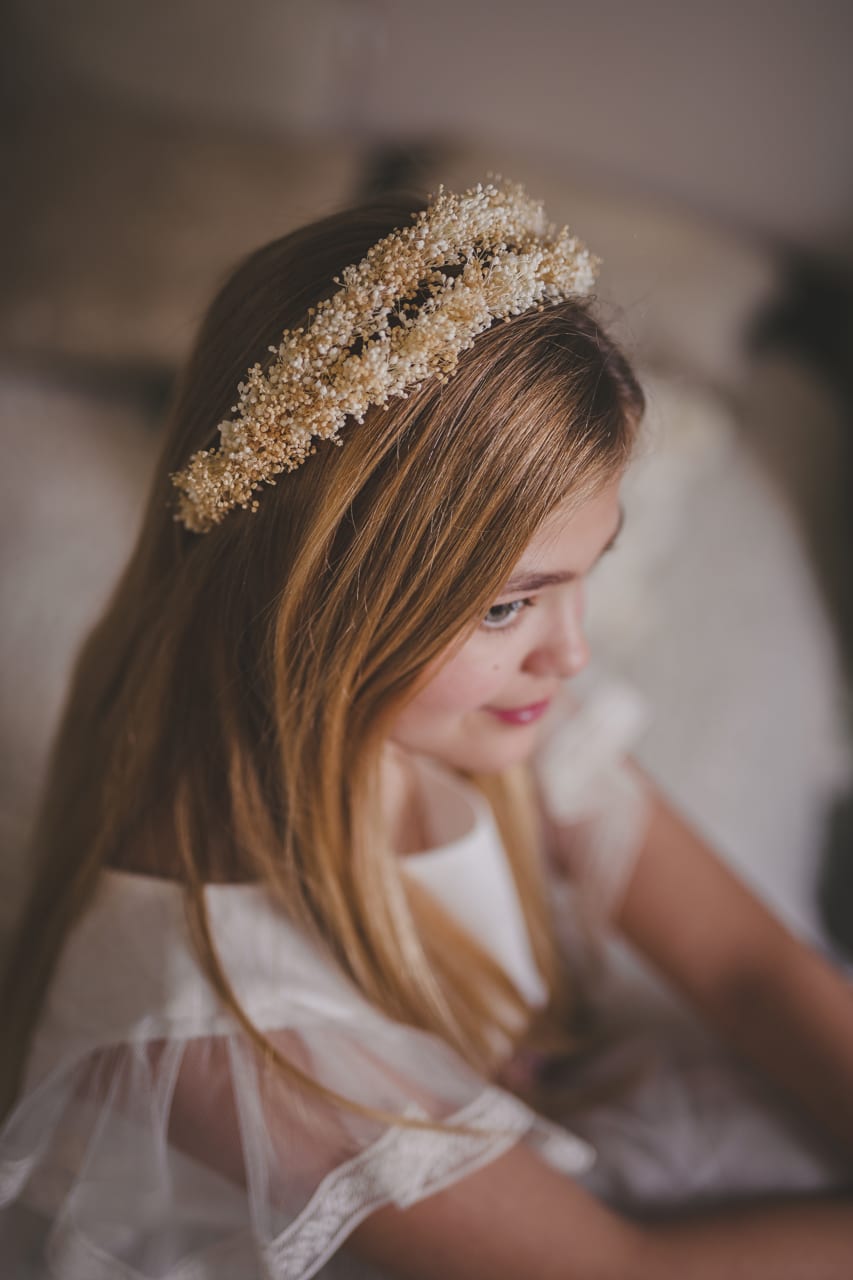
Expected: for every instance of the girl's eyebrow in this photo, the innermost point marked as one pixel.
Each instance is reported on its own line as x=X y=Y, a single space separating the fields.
x=535 y=581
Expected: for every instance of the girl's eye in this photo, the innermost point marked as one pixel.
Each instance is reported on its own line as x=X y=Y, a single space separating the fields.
x=502 y=616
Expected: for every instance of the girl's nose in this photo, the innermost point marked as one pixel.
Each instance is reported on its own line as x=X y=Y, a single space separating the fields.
x=572 y=655
x=564 y=652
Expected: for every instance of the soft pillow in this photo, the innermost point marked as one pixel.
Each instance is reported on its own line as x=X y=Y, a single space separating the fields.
x=123 y=224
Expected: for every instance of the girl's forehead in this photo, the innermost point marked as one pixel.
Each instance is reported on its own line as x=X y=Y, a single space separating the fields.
x=574 y=532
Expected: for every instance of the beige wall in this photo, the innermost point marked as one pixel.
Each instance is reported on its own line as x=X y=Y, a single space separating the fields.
x=742 y=109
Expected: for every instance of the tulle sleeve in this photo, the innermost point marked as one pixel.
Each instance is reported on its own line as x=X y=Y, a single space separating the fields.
x=595 y=800
x=188 y=1157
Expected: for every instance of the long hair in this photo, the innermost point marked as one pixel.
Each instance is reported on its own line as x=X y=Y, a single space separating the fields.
x=226 y=714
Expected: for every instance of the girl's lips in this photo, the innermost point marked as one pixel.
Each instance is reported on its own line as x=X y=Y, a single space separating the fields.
x=521 y=715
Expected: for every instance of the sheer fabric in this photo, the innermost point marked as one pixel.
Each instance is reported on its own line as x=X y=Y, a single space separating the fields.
x=150 y=1138
x=150 y=1133
x=591 y=792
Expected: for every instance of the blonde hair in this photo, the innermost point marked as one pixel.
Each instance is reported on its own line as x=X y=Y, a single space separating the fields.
x=242 y=682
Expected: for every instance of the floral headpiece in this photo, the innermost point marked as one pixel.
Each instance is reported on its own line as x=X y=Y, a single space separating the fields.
x=371 y=340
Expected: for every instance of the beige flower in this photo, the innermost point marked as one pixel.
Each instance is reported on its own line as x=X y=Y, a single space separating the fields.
x=511 y=260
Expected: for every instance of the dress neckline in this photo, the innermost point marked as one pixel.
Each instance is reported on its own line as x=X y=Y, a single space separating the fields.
x=435 y=776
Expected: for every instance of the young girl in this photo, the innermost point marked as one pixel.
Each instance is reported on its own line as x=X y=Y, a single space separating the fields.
x=289 y=997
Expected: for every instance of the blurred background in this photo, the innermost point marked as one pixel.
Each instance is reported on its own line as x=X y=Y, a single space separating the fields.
x=703 y=151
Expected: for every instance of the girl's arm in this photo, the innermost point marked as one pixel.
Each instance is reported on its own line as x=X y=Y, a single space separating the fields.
x=519 y=1218
x=515 y=1218
x=772 y=997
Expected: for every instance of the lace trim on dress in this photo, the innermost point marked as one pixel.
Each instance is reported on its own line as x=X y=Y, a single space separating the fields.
x=402 y=1166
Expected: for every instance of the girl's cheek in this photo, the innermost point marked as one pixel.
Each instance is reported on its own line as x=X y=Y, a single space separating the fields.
x=473 y=683
x=471 y=678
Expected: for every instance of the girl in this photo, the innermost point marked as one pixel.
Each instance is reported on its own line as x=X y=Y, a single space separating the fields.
x=289 y=994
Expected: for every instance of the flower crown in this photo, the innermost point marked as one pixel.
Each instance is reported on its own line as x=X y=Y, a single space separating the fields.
x=372 y=340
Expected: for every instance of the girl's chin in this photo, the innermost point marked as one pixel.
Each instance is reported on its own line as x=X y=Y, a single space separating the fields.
x=498 y=752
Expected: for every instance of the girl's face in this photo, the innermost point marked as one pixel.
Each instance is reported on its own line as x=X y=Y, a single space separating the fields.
x=485 y=696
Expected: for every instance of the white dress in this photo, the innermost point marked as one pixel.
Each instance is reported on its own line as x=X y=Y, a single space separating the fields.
x=149 y=1139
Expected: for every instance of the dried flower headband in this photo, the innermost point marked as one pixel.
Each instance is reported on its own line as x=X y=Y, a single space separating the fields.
x=370 y=341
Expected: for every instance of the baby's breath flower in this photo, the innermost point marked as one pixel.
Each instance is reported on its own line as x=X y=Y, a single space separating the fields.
x=316 y=381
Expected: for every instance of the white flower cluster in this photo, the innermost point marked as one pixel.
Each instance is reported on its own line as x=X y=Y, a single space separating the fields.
x=506 y=259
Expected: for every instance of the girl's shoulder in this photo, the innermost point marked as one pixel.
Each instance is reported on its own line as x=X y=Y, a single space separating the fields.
x=141 y=1083
x=129 y=968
